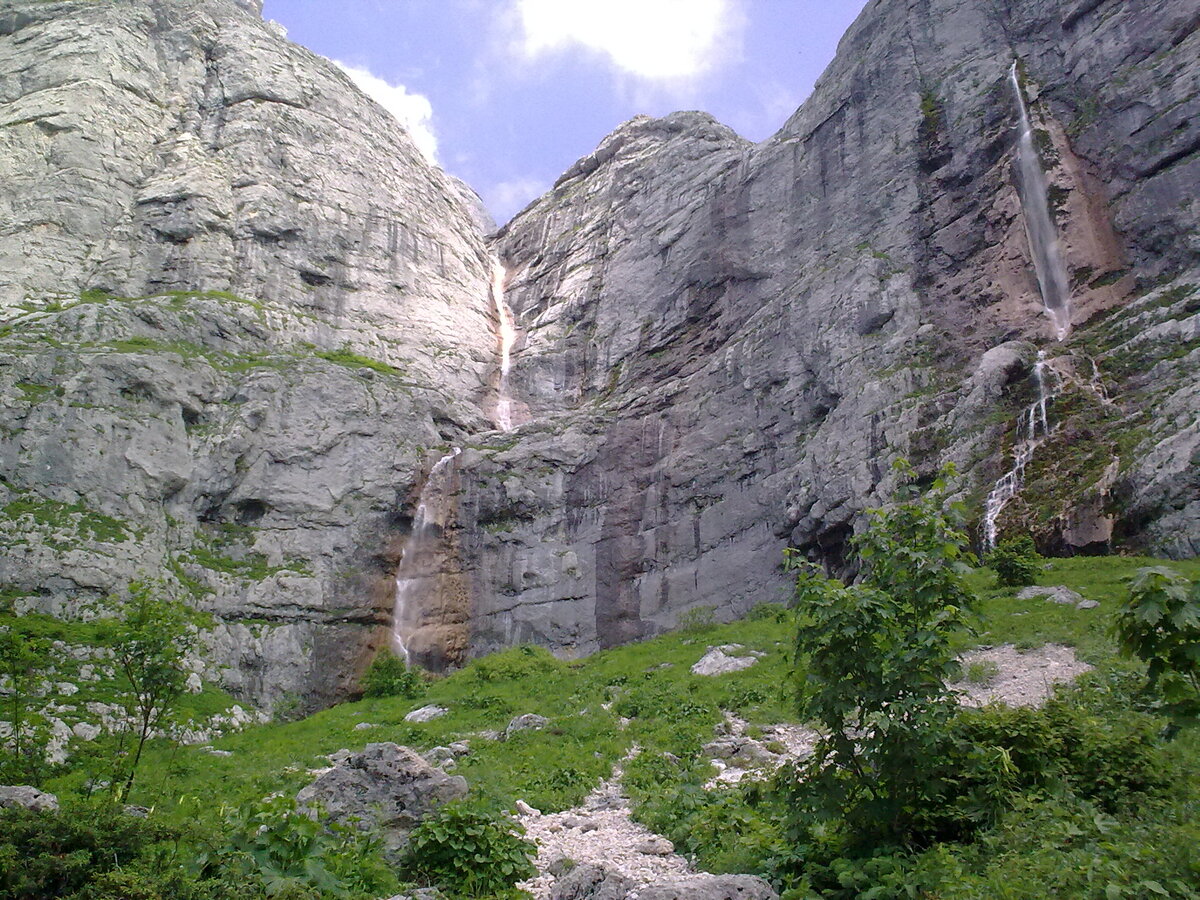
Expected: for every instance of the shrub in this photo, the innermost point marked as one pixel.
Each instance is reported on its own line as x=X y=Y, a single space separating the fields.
x=91 y=851
x=290 y=854
x=390 y=676
x=878 y=660
x=1016 y=562
x=1160 y=625
x=469 y=851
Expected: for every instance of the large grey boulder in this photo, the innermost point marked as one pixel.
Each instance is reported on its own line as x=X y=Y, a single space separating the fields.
x=385 y=788
x=596 y=882
x=591 y=882
x=24 y=796
x=709 y=887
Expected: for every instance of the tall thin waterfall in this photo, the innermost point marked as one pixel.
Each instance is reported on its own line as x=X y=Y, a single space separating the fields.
x=1039 y=227
x=508 y=336
x=417 y=573
x=1033 y=427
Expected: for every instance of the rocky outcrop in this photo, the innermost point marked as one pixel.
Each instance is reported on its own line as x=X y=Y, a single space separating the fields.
x=313 y=322
x=386 y=789
x=23 y=796
x=725 y=346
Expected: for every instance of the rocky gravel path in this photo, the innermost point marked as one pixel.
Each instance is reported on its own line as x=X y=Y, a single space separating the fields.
x=601 y=831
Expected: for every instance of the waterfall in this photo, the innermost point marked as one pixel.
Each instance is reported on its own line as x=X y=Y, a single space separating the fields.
x=417 y=573
x=508 y=336
x=1033 y=427
x=1039 y=227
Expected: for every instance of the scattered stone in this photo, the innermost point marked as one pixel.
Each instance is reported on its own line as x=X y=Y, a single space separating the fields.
x=709 y=887
x=560 y=866
x=438 y=756
x=1022 y=678
x=213 y=751
x=86 y=731
x=526 y=810
x=26 y=797
x=365 y=726
x=386 y=788
x=527 y=722
x=460 y=748
x=655 y=846
x=426 y=713
x=1057 y=594
x=337 y=757
x=138 y=812
x=717 y=662
x=592 y=882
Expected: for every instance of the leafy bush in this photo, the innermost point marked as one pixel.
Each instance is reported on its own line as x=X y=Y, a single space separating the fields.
x=1160 y=625
x=93 y=851
x=1016 y=562
x=290 y=854
x=469 y=851
x=390 y=676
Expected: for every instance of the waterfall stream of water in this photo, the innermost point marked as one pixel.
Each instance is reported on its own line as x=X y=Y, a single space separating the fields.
x=1039 y=227
x=508 y=336
x=1033 y=427
x=417 y=572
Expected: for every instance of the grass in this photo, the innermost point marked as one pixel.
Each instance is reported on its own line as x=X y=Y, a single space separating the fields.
x=1030 y=623
x=69 y=518
x=669 y=710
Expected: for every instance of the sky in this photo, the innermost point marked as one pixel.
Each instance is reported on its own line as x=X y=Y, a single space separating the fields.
x=507 y=94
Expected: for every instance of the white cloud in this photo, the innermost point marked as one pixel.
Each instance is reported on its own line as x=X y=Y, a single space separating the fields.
x=658 y=40
x=413 y=111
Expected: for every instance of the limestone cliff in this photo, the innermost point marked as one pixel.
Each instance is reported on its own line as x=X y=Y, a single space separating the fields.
x=243 y=318
x=240 y=314
x=726 y=345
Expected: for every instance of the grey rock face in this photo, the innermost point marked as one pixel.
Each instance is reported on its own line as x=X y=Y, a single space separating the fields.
x=255 y=441
x=26 y=797
x=386 y=788
x=725 y=346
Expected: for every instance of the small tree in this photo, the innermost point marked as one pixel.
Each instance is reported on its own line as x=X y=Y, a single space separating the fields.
x=877 y=657
x=151 y=638
x=1160 y=625
x=25 y=666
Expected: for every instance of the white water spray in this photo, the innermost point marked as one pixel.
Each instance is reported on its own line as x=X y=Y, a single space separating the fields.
x=1033 y=427
x=413 y=576
x=1039 y=227
x=508 y=337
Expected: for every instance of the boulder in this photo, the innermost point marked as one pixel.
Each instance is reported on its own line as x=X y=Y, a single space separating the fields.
x=717 y=662
x=527 y=722
x=426 y=713
x=386 y=788
x=26 y=797
x=1058 y=594
x=709 y=887
x=591 y=882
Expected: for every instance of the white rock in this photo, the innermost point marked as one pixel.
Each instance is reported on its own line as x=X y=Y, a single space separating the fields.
x=426 y=713
x=717 y=662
